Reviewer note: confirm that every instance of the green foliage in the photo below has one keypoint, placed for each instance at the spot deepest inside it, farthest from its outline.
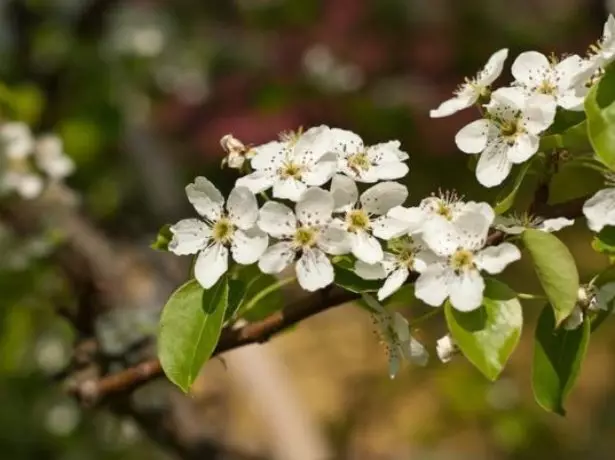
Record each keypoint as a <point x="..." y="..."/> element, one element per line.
<point x="262" y="295"/>
<point x="488" y="335"/>
<point x="604" y="241"/>
<point x="350" y="281"/>
<point x="574" y="180"/>
<point x="190" y="328"/>
<point x="569" y="131"/>
<point x="558" y="355"/>
<point x="506" y="199"/>
<point x="163" y="239"/>
<point x="600" y="110"/>
<point x="236" y="296"/>
<point x="556" y="270"/>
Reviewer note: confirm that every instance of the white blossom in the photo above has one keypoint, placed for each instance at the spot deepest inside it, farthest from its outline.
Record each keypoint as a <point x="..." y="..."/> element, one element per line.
<point x="16" y="171"/>
<point x="509" y="134"/>
<point x="590" y="299"/>
<point x="394" y="332"/>
<point x="538" y="74"/>
<point x="603" y="53"/>
<point x="515" y="225"/>
<point x="368" y="164"/>
<point x="446" y="348"/>
<point x="407" y="255"/>
<point x="292" y="164"/>
<point x="236" y="152"/>
<point x="362" y="220"/>
<point x="469" y="93"/>
<point x="51" y="159"/>
<point x="307" y="231"/>
<point x="219" y="229"/>
<point x="460" y="246"/>
<point x="600" y="209"/>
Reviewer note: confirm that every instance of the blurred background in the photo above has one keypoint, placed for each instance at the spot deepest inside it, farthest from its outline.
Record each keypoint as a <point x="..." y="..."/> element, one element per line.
<point x="141" y="91"/>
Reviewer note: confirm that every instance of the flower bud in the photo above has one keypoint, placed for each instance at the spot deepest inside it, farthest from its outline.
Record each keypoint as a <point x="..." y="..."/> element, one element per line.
<point x="446" y="348"/>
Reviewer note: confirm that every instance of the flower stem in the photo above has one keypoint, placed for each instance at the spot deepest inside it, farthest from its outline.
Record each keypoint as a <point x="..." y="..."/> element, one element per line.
<point x="265" y="292"/>
<point x="425" y="317"/>
<point x="264" y="195"/>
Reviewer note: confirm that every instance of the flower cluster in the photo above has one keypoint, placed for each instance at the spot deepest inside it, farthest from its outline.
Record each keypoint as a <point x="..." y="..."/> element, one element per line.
<point x="27" y="163"/>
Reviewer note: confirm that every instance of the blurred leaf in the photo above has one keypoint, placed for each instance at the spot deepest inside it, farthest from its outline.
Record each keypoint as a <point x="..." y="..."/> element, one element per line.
<point x="163" y="239"/>
<point x="27" y="103"/>
<point x="558" y="355"/>
<point x="488" y="335"/>
<point x="600" y="110"/>
<point x="262" y="296"/>
<point x="604" y="241"/>
<point x="506" y="199"/>
<point x="556" y="270"/>
<point x="190" y="328"/>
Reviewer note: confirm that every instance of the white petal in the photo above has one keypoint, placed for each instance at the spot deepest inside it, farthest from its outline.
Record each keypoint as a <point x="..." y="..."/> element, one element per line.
<point x="57" y="167"/>
<point x="506" y="102"/>
<point x="466" y="290"/>
<point x="472" y="138"/>
<point x="277" y="219"/>
<point x="289" y="189"/>
<point x="413" y="217"/>
<point x="205" y="197"/>
<point x="386" y="171"/>
<point x="539" y="113"/>
<point x="370" y="271"/>
<point x="441" y="236"/>
<point x="494" y="259"/>
<point x="315" y="207"/>
<point x="333" y="241"/>
<point x="530" y="68"/>
<point x="269" y="156"/>
<point x="493" y="68"/>
<point x="574" y="320"/>
<point x="493" y="165"/>
<point x="432" y="285"/>
<point x="313" y="144"/>
<point x="248" y="245"/>
<point x="555" y="225"/>
<point x="525" y="146"/>
<point x="211" y="264"/>
<point x="415" y="352"/>
<point x="573" y="99"/>
<point x="393" y="283"/>
<point x="567" y="69"/>
<point x="242" y="208"/>
<point x="314" y="270"/>
<point x="392" y="149"/>
<point x="480" y="207"/>
<point x="386" y="228"/>
<point x="322" y="171"/>
<point x="189" y="236"/>
<point x="446" y="348"/>
<point x="344" y="191"/>
<point x="455" y="104"/>
<point x="346" y="142"/>
<point x="29" y="186"/>
<point x="472" y="228"/>
<point x="600" y="209"/>
<point x="276" y="258"/>
<point x="365" y="247"/>
<point x="383" y="196"/>
<point x="256" y="182"/>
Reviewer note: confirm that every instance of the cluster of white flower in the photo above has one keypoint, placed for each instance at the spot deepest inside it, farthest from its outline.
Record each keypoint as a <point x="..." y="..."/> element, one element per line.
<point x="27" y="163"/>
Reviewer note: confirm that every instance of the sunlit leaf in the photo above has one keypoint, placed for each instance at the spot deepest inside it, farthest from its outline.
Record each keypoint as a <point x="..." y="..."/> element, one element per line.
<point x="488" y="335"/>
<point x="605" y="241"/>
<point x="506" y="200"/>
<point x="558" y="355"/>
<point x="190" y="328"/>
<point x="600" y="110"/>
<point x="556" y="270"/>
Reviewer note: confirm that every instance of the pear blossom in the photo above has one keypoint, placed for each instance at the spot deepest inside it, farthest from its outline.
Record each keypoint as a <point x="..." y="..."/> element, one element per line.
<point x="361" y="219"/>
<point x="51" y="159"/>
<point x="446" y="348"/>
<point x="515" y="225"/>
<point x="292" y="164"/>
<point x="307" y="231"/>
<point x="469" y="93"/>
<point x="603" y="53"/>
<point x="394" y="331"/>
<point x="236" y="152"/>
<point x="16" y="171"/>
<point x="509" y="134"/>
<point x="406" y="256"/>
<point x="370" y="164"/>
<point x="538" y="74"/>
<point x="462" y="255"/>
<point x="600" y="209"/>
<point x="218" y="229"/>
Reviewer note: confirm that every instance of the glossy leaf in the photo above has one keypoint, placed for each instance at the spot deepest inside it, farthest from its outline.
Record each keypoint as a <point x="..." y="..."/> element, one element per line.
<point x="569" y="131"/>
<point x="488" y="335"/>
<point x="600" y="110"/>
<point x="163" y="239"/>
<point x="604" y="241"/>
<point x="262" y="297"/>
<point x="189" y="330"/>
<point x="506" y="200"/>
<point x="573" y="180"/>
<point x="556" y="270"/>
<point x="558" y="355"/>
<point x="236" y="296"/>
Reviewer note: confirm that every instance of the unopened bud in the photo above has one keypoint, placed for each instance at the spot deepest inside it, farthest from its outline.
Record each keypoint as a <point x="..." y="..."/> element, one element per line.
<point x="446" y="348"/>
<point x="231" y="144"/>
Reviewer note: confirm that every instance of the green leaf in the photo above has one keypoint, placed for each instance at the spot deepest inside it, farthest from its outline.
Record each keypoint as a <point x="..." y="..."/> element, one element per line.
<point x="189" y="330"/>
<point x="600" y="111"/>
<point x="236" y="296"/>
<point x="505" y="200"/>
<point x="569" y="131"/>
<point x="604" y="241"/>
<point x="556" y="270"/>
<point x="163" y="239"/>
<point x="558" y="355"/>
<point x="352" y="282"/>
<point x="488" y="335"/>
<point x="573" y="180"/>
<point x="262" y="297"/>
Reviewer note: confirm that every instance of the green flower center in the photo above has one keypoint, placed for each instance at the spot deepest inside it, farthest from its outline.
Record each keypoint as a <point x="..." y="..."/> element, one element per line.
<point x="222" y="231"/>
<point x="357" y="219"/>
<point x="547" y="87"/>
<point x="290" y="170"/>
<point x="359" y="162"/>
<point x="462" y="260"/>
<point x="305" y="237"/>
